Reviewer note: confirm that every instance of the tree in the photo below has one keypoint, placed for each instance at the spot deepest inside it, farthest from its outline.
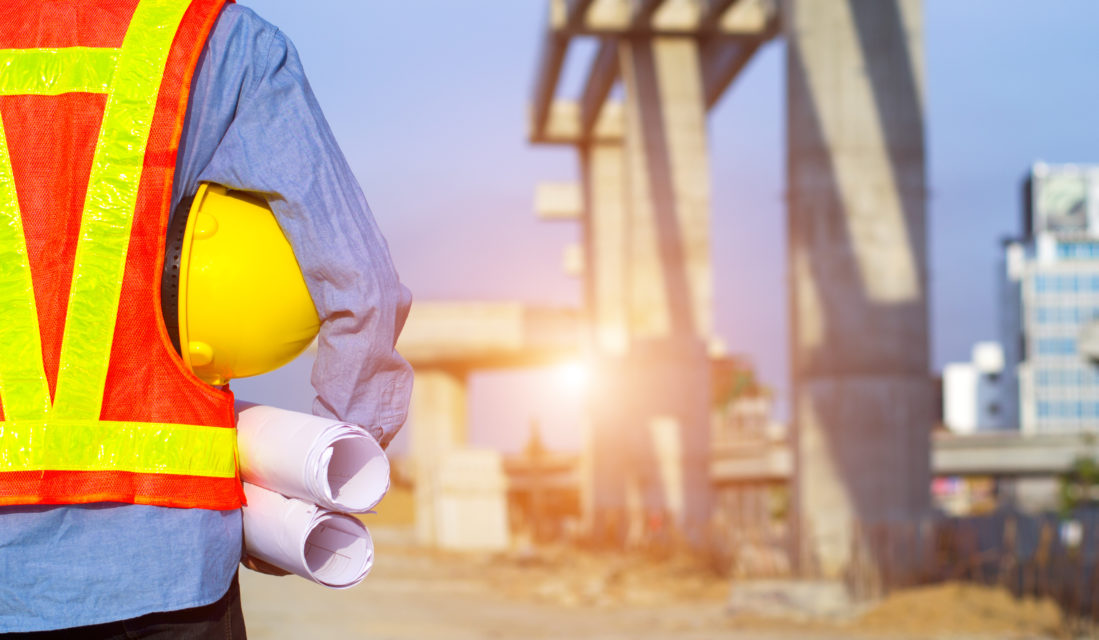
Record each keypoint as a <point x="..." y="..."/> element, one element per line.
<point x="1079" y="486"/>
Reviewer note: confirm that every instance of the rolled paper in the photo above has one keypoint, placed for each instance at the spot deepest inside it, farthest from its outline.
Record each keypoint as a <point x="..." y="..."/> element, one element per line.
<point x="332" y="549"/>
<point x="336" y="465"/>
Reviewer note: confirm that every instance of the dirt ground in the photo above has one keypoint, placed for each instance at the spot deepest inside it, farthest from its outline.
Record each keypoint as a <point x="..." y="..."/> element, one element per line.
<point x="423" y="595"/>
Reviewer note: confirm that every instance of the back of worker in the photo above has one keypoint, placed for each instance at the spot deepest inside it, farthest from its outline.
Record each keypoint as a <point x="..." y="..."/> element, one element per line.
<point x="68" y="566"/>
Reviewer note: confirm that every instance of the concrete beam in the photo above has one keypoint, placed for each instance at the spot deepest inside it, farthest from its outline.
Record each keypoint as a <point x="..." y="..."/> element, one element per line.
<point x="563" y="125"/>
<point x="741" y="25"/>
<point x="715" y="9"/>
<point x="724" y="58"/>
<point x="1009" y="453"/>
<point x="572" y="260"/>
<point x="723" y="62"/>
<point x="761" y="460"/>
<point x="1001" y="454"/>
<point x="601" y="77"/>
<point x="610" y="126"/>
<point x="642" y="12"/>
<point x="654" y="18"/>
<point x="749" y="24"/>
<point x="614" y="17"/>
<point x="577" y="11"/>
<point x="463" y="336"/>
<point x="558" y="201"/>
<point x="746" y="17"/>
<point x="568" y="15"/>
<point x="550" y="62"/>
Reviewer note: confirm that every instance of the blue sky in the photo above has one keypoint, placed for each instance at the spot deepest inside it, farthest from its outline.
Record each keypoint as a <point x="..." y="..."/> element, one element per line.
<point x="428" y="99"/>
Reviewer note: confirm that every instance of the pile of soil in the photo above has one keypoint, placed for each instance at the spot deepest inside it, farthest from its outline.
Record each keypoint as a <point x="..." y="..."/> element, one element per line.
<point x="955" y="608"/>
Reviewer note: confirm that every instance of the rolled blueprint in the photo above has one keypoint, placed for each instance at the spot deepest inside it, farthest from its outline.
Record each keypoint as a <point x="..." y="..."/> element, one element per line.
<point x="336" y="465"/>
<point x="332" y="549"/>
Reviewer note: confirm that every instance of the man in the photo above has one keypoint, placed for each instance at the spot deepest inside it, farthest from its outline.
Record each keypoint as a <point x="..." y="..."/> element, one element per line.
<point x="161" y="560"/>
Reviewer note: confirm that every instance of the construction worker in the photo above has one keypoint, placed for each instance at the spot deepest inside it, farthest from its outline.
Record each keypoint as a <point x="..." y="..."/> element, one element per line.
<point x="120" y="513"/>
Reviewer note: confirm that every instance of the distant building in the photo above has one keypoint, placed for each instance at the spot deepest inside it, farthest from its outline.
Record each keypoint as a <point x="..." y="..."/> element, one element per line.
<point x="973" y="392"/>
<point x="1050" y="282"/>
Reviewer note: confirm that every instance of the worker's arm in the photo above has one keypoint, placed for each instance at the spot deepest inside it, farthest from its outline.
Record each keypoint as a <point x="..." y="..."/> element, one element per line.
<point x="274" y="140"/>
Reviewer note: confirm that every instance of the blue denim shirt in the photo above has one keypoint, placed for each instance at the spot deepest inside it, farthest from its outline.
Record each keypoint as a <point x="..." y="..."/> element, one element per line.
<point x="254" y="124"/>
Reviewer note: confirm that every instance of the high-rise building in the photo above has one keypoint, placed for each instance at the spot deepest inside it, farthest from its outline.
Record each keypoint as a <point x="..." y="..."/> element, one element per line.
<point x="1050" y="287"/>
<point x="973" y="392"/>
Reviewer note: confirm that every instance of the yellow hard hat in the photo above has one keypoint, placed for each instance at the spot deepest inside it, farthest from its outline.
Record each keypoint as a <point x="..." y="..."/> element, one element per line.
<point x="241" y="304"/>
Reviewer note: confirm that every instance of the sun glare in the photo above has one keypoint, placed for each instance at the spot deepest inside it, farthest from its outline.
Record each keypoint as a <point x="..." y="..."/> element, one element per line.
<point x="574" y="376"/>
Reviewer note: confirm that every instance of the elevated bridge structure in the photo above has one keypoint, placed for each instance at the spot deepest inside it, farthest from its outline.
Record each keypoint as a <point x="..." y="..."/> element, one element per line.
<point x="643" y="201"/>
<point x="856" y="194"/>
<point x="856" y="190"/>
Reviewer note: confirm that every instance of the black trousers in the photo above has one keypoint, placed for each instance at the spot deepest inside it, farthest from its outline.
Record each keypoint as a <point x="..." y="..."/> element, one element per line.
<point x="221" y="620"/>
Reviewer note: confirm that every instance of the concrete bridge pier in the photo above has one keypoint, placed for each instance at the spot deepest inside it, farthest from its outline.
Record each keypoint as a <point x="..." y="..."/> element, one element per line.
<point x="649" y="299"/>
<point x="858" y="266"/>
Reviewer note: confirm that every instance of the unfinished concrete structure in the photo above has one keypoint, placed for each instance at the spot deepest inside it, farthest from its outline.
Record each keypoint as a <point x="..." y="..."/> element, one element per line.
<point x="862" y="393"/>
<point x="856" y="194"/>
<point x="644" y="205"/>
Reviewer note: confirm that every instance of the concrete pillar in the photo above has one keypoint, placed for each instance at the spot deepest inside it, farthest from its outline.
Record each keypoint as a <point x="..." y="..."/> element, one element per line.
<point x="605" y="224"/>
<point x="471" y="510"/>
<point x="668" y="179"/>
<point x="649" y="293"/>
<point x="439" y="418"/>
<point x="605" y="227"/>
<point x="863" y="403"/>
<point x="649" y="453"/>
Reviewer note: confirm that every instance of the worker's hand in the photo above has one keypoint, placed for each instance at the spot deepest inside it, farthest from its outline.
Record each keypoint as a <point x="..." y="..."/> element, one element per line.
<point x="259" y="566"/>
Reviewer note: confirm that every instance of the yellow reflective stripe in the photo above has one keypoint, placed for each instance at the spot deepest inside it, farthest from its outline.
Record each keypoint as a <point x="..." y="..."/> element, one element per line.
<point x="109" y="208"/>
<point x="51" y="72"/>
<point x="23" y="385"/>
<point x="137" y="447"/>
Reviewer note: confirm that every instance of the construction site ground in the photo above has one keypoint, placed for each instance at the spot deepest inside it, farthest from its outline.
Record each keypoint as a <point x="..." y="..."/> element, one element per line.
<point x="415" y="593"/>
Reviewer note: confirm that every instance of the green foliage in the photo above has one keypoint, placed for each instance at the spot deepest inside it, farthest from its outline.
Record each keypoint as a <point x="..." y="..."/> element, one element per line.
<point x="1079" y="486"/>
<point x="734" y="379"/>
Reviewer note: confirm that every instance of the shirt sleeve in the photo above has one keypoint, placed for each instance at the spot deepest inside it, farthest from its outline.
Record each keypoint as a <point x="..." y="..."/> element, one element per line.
<point x="277" y="143"/>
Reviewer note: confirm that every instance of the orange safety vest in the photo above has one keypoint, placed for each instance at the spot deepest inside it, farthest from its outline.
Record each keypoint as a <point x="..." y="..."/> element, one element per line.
<point x="95" y="404"/>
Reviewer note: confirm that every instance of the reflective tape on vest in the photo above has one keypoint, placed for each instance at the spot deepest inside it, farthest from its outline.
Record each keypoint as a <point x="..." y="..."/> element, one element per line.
<point x="52" y="72"/>
<point x="65" y="433"/>
<point x="136" y="447"/>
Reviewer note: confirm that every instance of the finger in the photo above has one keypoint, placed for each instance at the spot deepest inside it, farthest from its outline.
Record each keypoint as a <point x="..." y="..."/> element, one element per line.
<point x="259" y="566"/>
